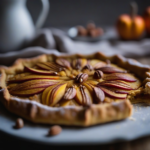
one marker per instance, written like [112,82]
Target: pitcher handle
[42,17]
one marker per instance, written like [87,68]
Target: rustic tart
[78,90]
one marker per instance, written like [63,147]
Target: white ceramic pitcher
[16,25]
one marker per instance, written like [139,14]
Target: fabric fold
[56,40]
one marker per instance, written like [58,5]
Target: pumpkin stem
[134,9]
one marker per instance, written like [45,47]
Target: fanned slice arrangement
[79,82]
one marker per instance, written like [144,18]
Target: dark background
[66,13]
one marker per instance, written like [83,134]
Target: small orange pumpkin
[130,27]
[146,17]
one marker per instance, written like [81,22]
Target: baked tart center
[79,82]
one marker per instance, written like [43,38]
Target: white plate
[124,130]
[127,129]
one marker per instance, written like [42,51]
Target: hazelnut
[19,123]
[55,130]
[93,33]
[99,31]
[82,31]
[90,26]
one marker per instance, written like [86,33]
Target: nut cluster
[91,30]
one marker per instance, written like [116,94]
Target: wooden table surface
[138,144]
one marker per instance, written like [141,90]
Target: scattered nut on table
[19,123]
[55,130]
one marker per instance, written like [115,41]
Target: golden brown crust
[130,64]
[70,115]
[74,115]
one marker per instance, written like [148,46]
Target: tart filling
[89,89]
[80,82]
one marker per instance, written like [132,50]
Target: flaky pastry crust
[72,115]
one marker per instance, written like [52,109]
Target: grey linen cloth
[111,45]
[54,40]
